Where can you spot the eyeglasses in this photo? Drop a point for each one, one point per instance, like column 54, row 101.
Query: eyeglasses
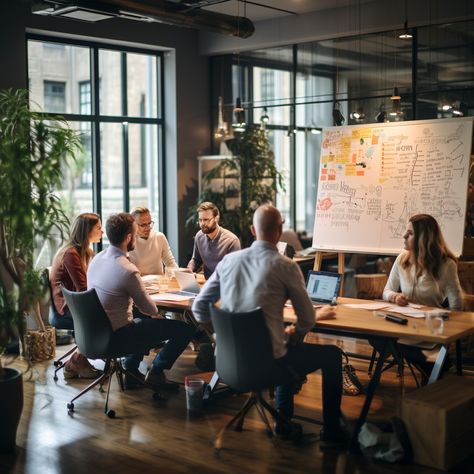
column 146, row 224
column 205, row 221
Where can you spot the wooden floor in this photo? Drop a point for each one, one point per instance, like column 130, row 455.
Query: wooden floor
column 153, row 436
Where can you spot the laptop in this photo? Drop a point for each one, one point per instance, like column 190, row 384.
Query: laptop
column 323, row 287
column 187, row 283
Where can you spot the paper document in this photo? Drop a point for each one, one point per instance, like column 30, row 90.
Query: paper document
column 169, row 297
column 406, row 311
column 370, row 306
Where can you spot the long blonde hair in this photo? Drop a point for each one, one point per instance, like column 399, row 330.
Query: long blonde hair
column 79, row 237
column 429, row 249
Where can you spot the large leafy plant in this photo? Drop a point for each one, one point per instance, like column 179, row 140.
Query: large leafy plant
column 255, row 179
column 32, row 150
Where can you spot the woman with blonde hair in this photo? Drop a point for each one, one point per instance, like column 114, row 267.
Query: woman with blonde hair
column 69, row 269
column 424, row 273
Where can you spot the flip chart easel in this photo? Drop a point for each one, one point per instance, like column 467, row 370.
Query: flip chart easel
column 318, row 258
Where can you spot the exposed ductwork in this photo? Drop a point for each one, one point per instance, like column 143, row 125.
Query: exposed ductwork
column 186, row 13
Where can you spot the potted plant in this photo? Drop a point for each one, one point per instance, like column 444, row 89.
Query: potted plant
column 252, row 179
column 33, row 149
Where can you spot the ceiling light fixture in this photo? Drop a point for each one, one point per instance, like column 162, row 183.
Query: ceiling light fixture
column 406, row 33
column 264, row 118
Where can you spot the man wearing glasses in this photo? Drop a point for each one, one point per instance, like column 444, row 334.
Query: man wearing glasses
column 212, row 242
column 152, row 254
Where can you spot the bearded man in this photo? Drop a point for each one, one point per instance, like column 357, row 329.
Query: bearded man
column 212, row 243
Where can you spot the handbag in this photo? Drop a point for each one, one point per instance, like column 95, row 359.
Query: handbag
column 351, row 385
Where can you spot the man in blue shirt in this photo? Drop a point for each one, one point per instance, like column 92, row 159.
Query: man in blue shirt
column 260, row 277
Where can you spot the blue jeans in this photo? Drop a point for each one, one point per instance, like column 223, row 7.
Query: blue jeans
column 304, row 359
column 60, row 321
column 145, row 333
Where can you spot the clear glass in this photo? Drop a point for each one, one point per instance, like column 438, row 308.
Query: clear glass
column 143, row 167
column 55, row 73
column 141, row 85
column 111, row 147
column 110, row 74
column 280, row 144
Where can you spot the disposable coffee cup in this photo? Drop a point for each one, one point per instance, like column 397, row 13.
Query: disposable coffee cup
column 194, row 393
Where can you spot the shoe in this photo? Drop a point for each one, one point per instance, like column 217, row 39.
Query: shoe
column 159, row 380
column 206, row 360
column 133, row 379
column 79, row 367
column 291, row 431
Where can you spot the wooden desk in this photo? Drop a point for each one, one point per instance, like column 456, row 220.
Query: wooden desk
column 362, row 323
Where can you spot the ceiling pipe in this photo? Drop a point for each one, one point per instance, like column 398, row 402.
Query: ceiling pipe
column 167, row 12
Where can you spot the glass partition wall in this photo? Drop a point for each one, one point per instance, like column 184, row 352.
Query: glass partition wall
column 370, row 78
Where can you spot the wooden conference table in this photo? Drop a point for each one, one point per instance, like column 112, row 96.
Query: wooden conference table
column 362, row 324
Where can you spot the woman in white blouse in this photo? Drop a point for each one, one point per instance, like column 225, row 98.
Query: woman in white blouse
column 424, row 273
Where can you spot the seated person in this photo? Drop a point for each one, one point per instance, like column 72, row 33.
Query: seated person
column 212, row 242
column 69, row 269
column 259, row 276
column 152, row 254
column 424, row 273
column 118, row 285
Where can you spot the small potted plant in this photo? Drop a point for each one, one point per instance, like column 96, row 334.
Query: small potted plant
column 33, row 149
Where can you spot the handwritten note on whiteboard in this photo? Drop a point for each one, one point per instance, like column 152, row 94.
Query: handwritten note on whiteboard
column 374, row 177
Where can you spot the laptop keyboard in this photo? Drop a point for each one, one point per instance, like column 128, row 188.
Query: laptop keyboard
column 183, row 293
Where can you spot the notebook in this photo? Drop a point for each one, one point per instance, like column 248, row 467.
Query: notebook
column 323, row 287
column 188, row 284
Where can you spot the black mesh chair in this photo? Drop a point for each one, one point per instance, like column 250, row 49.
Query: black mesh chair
column 245, row 362
column 59, row 363
column 93, row 334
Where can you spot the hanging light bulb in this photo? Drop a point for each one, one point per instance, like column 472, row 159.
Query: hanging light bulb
column 405, row 34
column 239, row 112
column 264, row 118
column 315, row 130
column 222, row 131
column 396, row 114
column 358, row 115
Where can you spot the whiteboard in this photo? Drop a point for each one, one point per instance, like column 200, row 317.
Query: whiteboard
column 374, row 177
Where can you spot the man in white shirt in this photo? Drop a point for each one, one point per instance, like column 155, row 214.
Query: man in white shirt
column 152, row 254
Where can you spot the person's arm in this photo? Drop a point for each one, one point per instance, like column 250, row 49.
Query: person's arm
column 391, row 291
column 141, row 299
column 72, row 264
column 166, row 255
column 299, row 298
column 210, row 293
column 452, row 287
column 195, row 263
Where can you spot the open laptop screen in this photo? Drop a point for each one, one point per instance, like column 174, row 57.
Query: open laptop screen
column 323, row 287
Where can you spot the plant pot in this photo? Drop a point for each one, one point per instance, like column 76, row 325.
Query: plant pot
column 11, row 405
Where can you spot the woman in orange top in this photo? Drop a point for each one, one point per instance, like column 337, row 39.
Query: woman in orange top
column 69, row 269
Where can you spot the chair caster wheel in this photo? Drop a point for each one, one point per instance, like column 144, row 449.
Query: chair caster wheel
column 56, row 363
column 55, row 378
column 110, row 413
column 70, row 408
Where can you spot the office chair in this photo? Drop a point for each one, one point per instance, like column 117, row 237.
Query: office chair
column 93, row 333
column 245, row 362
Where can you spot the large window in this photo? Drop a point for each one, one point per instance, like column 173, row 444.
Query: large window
column 112, row 97
column 302, row 87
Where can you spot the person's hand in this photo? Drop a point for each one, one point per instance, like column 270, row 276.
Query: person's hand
column 290, row 330
column 400, row 299
column 326, row 312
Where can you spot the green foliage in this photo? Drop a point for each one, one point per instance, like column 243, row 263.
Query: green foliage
column 32, row 151
column 257, row 180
